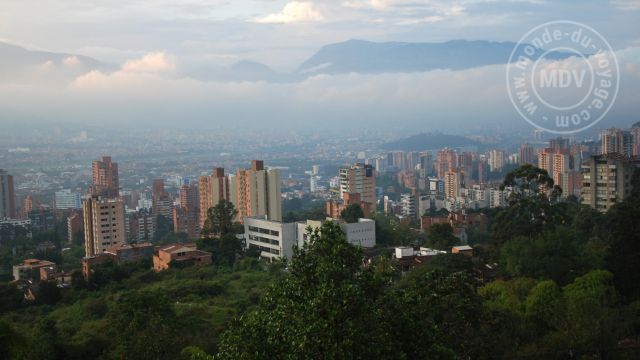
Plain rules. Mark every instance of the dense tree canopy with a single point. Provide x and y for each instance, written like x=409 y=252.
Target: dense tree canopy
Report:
x=352 y=213
x=220 y=219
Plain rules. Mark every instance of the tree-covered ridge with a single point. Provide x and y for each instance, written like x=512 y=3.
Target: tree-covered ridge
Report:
x=147 y=315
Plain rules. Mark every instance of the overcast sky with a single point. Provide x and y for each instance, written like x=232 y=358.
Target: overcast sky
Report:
x=147 y=41
x=284 y=33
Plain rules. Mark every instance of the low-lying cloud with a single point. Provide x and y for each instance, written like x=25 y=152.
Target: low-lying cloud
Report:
x=148 y=92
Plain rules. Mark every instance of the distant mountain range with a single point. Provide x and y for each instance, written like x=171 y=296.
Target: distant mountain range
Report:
x=353 y=56
x=18 y=63
x=430 y=142
x=366 y=57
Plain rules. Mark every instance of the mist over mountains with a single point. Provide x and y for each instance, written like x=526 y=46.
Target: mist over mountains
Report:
x=352 y=56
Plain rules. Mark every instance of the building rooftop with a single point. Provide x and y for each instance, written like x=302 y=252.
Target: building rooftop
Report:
x=129 y=246
x=175 y=248
x=36 y=262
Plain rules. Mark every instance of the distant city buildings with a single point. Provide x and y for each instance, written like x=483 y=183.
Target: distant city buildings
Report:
x=446 y=159
x=617 y=141
x=14 y=227
x=526 y=154
x=140 y=226
x=66 y=199
x=496 y=160
x=7 y=196
x=74 y=227
x=42 y=219
x=186 y=216
x=27 y=207
x=106 y=181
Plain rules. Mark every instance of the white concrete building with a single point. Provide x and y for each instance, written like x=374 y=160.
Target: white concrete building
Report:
x=274 y=239
x=362 y=233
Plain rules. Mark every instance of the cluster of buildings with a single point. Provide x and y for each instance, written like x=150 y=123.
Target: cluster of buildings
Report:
x=117 y=225
x=458 y=181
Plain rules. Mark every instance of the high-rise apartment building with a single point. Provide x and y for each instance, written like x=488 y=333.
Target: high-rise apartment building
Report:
x=256 y=192
x=27 y=207
x=213 y=188
x=616 y=141
x=157 y=188
x=635 y=133
x=104 y=224
x=186 y=217
x=483 y=171
x=526 y=154
x=74 y=227
x=189 y=196
x=105 y=177
x=361 y=179
x=7 y=196
x=426 y=162
x=562 y=175
x=162 y=205
x=559 y=143
x=497 y=159
x=607 y=180
x=545 y=160
x=161 y=201
x=453 y=182
x=446 y=159
x=139 y=226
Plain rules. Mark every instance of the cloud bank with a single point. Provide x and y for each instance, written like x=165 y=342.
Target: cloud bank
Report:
x=148 y=91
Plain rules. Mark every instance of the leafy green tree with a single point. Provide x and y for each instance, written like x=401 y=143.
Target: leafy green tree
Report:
x=224 y=249
x=623 y=234
x=544 y=304
x=220 y=219
x=352 y=213
x=441 y=237
x=532 y=205
x=591 y=320
x=164 y=226
x=442 y=310
x=45 y=342
x=48 y=293
x=324 y=308
x=11 y=343
x=10 y=297
x=554 y=255
x=145 y=326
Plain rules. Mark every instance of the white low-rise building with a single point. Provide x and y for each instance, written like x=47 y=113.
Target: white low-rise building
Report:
x=274 y=239
x=362 y=233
